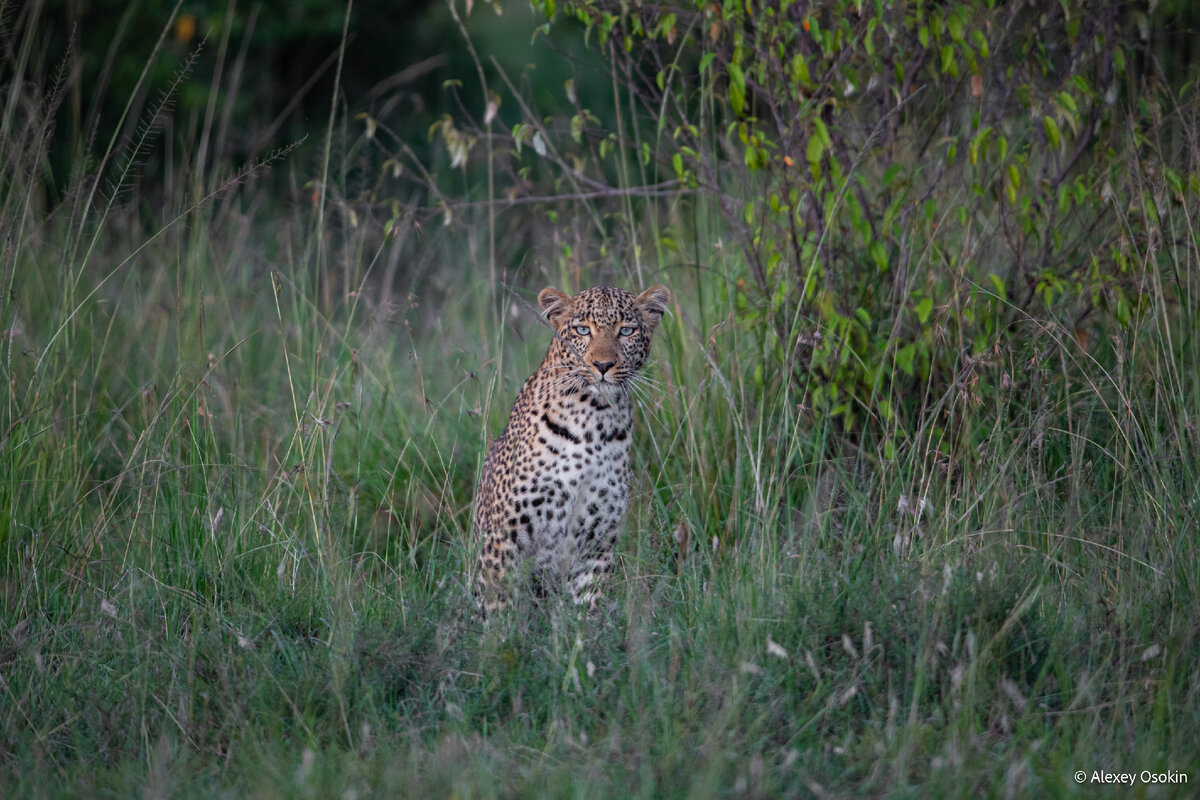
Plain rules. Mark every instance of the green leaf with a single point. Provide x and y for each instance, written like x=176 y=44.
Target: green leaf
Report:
x=799 y=71
x=1174 y=181
x=822 y=131
x=954 y=26
x=998 y=285
x=1067 y=102
x=813 y=152
x=705 y=60
x=949 y=63
x=737 y=88
x=981 y=43
x=978 y=143
x=889 y=174
x=1052 y=133
x=879 y=255
x=1012 y=183
x=1063 y=198
x=924 y=309
x=905 y=357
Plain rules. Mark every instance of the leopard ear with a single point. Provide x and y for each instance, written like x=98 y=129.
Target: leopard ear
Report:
x=557 y=306
x=653 y=303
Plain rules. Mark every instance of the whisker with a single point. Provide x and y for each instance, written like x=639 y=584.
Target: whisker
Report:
x=646 y=387
x=647 y=393
x=642 y=377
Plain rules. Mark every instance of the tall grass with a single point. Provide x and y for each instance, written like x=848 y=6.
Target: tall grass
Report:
x=239 y=443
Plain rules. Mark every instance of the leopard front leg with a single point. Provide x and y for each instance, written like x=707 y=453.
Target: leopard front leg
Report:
x=495 y=561
x=592 y=566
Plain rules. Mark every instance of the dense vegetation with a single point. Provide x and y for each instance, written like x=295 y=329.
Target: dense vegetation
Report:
x=919 y=472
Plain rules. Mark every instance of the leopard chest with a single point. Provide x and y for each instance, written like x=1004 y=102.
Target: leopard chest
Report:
x=569 y=471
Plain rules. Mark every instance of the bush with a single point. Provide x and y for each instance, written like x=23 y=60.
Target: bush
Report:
x=918 y=192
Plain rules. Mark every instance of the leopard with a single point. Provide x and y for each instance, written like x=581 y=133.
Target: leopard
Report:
x=555 y=485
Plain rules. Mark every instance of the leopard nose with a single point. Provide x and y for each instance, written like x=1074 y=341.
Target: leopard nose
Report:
x=603 y=366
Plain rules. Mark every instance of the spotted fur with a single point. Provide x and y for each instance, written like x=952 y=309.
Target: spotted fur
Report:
x=555 y=485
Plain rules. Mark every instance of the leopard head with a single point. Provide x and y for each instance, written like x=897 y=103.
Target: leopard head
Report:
x=602 y=335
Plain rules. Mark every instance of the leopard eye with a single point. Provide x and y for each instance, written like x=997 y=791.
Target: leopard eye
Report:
x=626 y=330
x=583 y=330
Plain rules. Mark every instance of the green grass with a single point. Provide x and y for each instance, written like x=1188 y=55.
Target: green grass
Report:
x=243 y=573
x=236 y=467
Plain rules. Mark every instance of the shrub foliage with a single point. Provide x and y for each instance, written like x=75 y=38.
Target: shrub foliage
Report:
x=919 y=191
